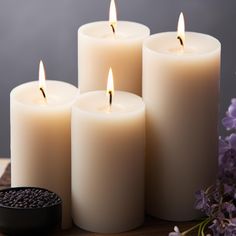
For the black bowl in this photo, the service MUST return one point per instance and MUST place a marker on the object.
(25, 220)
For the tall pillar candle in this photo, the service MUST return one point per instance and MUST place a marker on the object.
(41, 139)
(100, 48)
(180, 89)
(108, 146)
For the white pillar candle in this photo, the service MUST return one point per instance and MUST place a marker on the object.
(180, 90)
(99, 48)
(108, 145)
(41, 139)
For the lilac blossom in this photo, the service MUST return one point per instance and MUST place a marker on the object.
(229, 121)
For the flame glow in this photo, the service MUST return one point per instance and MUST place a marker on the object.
(113, 16)
(110, 83)
(42, 79)
(181, 29)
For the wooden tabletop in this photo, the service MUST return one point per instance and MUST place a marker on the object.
(151, 226)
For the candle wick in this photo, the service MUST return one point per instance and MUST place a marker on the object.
(44, 95)
(180, 40)
(113, 29)
(110, 97)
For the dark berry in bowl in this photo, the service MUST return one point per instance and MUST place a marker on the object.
(29, 211)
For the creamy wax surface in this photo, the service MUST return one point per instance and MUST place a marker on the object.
(99, 49)
(108, 162)
(181, 93)
(41, 139)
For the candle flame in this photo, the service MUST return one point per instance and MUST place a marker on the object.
(110, 85)
(113, 16)
(42, 79)
(181, 30)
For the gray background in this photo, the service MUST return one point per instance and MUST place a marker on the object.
(47, 29)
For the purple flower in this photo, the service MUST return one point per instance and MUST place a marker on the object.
(227, 170)
(229, 189)
(230, 209)
(201, 200)
(229, 121)
(223, 227)
(231, 141)
(208, 201)
(218, 227)
(230, 230)
(223, 147)
(232, 108)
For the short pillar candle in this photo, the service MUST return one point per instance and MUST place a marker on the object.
(41, 138)
(108, 147)
(101, 46)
